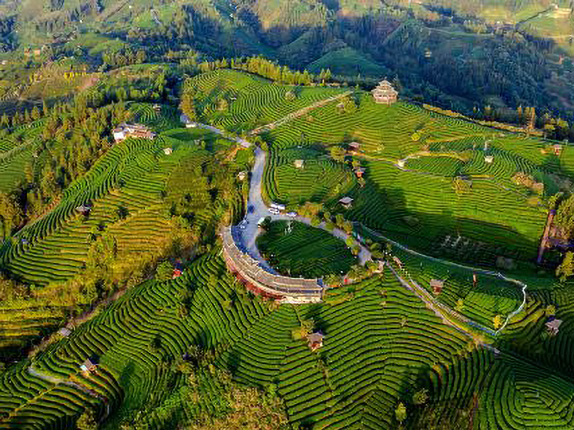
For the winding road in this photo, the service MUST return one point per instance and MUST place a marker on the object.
(257, 209)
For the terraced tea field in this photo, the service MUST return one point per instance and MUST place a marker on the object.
(296, 249)
(356, 380)
(167, 343)
(250, 100)
(320, 178)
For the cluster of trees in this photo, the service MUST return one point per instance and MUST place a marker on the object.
(266, 68)
(553, 127)
(6, 27)
(124, 57)
(24, 116)
(149, 86)
(61, 17)
(72, 138)
(564, 222)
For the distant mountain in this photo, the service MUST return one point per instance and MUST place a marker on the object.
(459, 54)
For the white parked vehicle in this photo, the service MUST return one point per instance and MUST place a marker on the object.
(274, 211)
(278, 206)
(292, 214)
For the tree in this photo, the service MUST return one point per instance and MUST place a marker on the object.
(420, 397)
(566, 268)
(348, 227)
(337, 153)
(401, 412)
(35, 113)
(459, 305)
(10, 214)
(290, 96)
(122, 212)
(164, 271)
(222, 104)
(187, 106)
(497, 321)
(460, 186)
(303, 330)
(87, 421)
(332, 280)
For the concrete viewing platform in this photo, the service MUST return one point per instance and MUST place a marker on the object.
(261, 281)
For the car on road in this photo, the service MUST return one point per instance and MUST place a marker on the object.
(292, 214)
(274, 211)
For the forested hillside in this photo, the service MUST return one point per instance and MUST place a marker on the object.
(482, 57)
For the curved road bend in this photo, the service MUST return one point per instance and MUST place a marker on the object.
(257, 209)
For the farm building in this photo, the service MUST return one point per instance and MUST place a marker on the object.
(167, 151)
(241, 176)
(398, 262)
(489, 159)
(384, 93)
(123, 131)
(64, 332)
(90, 365)
(557, 148)
(299, 164)
(177, 272)
(315, 340)
(359, 172)
(346, 202)
(84, 209)
(553, 325)
(437, 286)
(260, 281)
(354, 146)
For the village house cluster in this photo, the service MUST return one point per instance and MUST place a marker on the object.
(138, 131)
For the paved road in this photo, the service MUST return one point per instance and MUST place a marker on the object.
(216, 130)
(258, 209)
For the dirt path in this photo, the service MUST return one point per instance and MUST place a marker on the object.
(499, 275)
(60, 381)
(299, 113)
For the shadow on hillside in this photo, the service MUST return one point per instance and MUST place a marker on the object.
(126, 375)
(233, 361)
